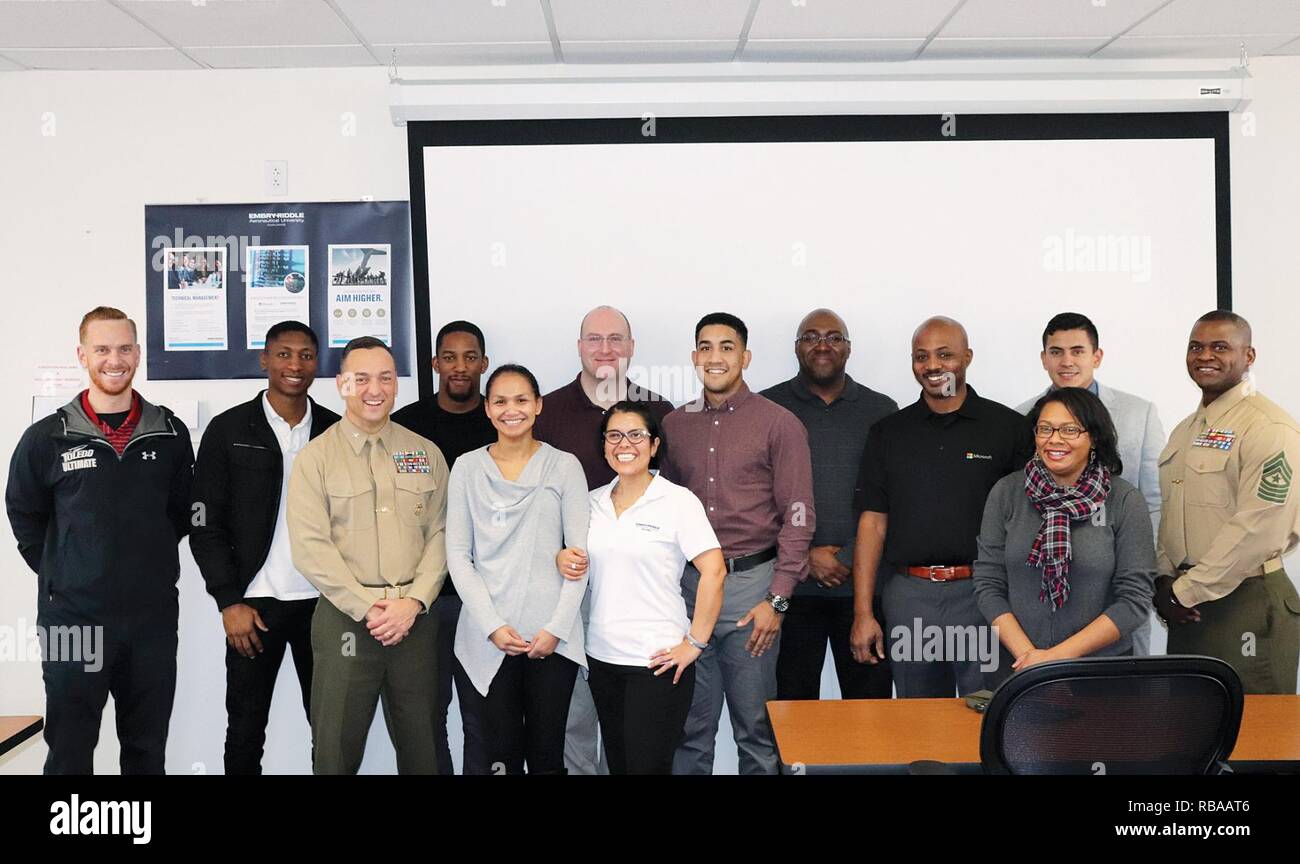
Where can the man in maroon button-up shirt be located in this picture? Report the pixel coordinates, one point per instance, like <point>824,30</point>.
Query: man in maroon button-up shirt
<point>570,421</point>
<point>747,459</point>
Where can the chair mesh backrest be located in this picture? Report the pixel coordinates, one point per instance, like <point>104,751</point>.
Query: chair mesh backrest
<point>1148,724</point>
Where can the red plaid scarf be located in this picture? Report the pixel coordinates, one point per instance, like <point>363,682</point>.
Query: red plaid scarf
<point>122,434</point>
<point>1059,507</point>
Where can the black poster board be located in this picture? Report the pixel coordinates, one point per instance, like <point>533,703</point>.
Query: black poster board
<point>371,246</point>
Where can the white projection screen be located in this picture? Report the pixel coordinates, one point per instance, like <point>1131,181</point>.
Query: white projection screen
<point>522,226</point>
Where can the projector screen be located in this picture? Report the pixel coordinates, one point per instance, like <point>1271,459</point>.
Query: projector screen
<point>999,222</point>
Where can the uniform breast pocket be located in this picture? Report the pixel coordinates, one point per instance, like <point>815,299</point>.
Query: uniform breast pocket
<point>1166,474</point>
<point>351,506</point>
<point>414,498</point>
<point>1209,481</point>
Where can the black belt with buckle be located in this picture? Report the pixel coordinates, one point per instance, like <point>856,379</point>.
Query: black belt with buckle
<point>748,562</point>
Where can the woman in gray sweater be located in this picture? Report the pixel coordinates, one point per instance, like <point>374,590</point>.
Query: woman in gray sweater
<point>511,506</point>
<point>1066,562</point>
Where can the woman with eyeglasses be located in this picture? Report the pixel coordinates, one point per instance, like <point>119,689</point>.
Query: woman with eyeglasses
<point>640,643</point>
<point>511,506</point>
<point>1066,563</point>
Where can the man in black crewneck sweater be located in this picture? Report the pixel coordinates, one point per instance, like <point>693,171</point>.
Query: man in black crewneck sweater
<point>453,419</point>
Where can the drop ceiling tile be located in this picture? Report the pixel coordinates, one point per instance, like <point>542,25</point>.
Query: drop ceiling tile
<point>1152,47</point>
<point>998,19</point>
<point>243,22</point>
<point>468,53</point>
<point>1221,18</point>
<point>649,51</point>
<point>849,19</point>
<point>102,58</point>
<point>283,56</point>
<point>434,22</point>
<point>952,49</point>
<point>71,24</point>
<point>649,20</point>
<point>830,50</point>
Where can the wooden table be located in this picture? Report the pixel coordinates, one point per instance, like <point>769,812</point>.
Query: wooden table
<point>16,730</point>
<point>887,735</point>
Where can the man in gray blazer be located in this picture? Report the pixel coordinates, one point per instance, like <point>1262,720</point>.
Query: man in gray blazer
<point>1071,354</point>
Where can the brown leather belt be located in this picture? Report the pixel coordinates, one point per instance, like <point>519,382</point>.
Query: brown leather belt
<point>940,572</point>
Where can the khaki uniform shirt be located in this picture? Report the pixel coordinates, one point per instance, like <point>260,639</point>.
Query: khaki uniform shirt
<point>1225,484</point>
<point>367,516</point>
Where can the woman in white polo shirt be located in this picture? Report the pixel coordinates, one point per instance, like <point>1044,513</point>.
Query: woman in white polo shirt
<point>641,646</point>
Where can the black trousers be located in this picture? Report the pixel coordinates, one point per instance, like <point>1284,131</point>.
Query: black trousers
<point>810,623</point>
<point>642,716</point>
<point>250,683</point>
<point>448,609</point>
<point>522,718</point>
<point>139,672</point>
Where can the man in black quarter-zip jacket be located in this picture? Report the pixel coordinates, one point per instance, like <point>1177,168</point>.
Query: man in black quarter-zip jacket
<point>98,498</point>
<point>241,543</point>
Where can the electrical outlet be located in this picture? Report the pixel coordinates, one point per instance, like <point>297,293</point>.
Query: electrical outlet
<point>277,177</point>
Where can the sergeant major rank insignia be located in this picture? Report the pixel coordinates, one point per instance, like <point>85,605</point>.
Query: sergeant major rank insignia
<point>1275,479</point>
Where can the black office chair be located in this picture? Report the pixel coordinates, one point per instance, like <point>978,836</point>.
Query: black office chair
<point>1114,715</point>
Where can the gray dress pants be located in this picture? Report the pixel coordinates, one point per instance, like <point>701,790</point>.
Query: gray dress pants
<point>727,671</point>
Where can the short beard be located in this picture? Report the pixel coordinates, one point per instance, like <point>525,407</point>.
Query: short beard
<point>460,397</point>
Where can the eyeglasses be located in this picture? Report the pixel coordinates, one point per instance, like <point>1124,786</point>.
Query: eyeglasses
<point>1068,431</point>
<point>614,437</point>
<point>812,340</point>
<point>594,341</point>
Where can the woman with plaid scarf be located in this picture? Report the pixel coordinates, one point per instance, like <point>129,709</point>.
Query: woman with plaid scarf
<point>1066,562</point>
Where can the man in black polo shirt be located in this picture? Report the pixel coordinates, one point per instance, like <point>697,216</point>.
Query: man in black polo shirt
<point>837,411</point>
<point>453,419</point>
<point>926,472</point>
<point>570,421</point>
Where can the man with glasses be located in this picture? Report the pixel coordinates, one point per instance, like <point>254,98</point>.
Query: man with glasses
<point>926,472</point>
<point>837,412</point>
<point>571,421</point>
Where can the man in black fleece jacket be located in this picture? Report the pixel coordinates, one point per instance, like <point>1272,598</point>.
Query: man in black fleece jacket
<point>98,498</point>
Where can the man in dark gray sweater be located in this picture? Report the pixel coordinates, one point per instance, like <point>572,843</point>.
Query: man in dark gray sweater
<point>837,412</point>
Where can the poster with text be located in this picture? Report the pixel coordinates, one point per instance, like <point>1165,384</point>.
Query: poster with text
<point>194,299</point>
<point>360,293</point>
<point>276,289</point>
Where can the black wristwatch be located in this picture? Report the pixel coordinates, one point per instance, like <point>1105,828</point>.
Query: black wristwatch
<point>779,603</point>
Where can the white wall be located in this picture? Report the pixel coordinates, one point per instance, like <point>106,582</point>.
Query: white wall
<point>70,238</point>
